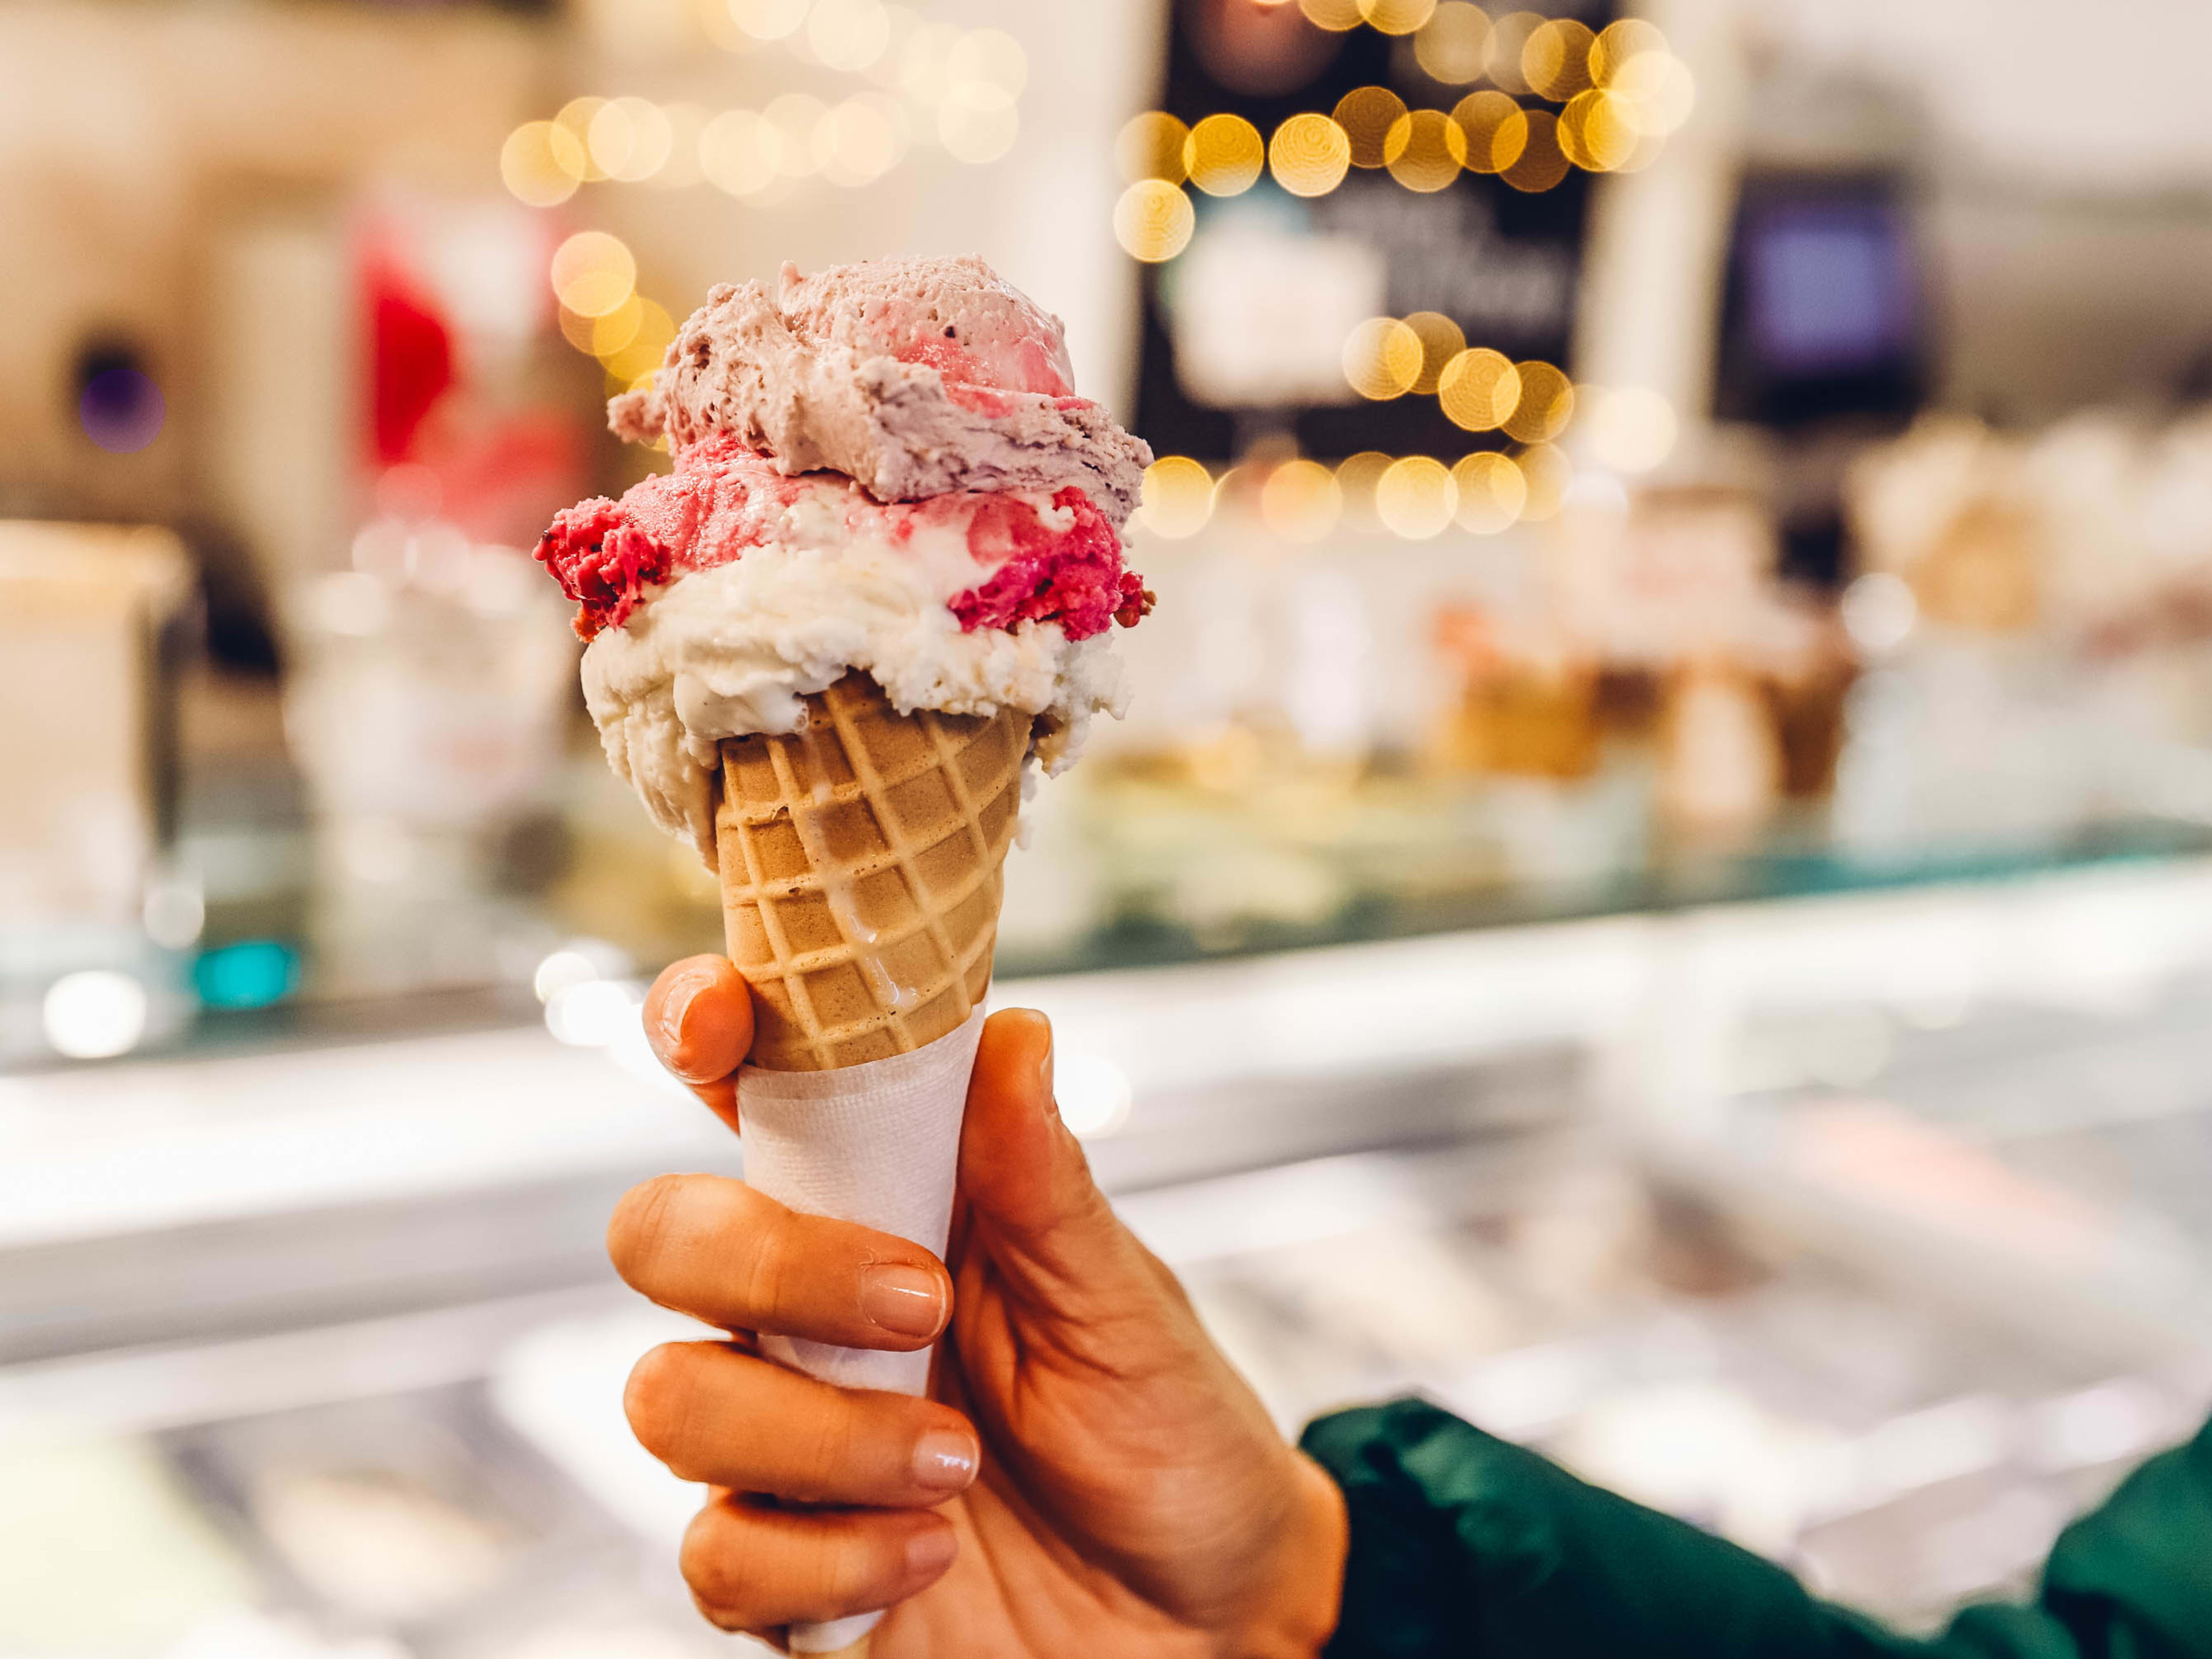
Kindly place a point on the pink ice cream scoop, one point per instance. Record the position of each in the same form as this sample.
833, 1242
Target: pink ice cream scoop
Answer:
1062, 564
916, 377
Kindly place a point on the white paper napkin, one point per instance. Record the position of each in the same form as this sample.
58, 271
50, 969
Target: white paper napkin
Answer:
879, 1144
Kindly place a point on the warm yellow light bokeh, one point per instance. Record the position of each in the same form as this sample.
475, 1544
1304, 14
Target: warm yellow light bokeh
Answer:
1416, 498
1631, 36
989, 58
1508, 39
1451, 45
1441, 339
1492, 492
1556, 61
1301, 501
1425, 151
593, 273
1597, 132
1178, 496
1479, 390
1546, 405
794, 117
860, 140
1547, 472
1367, 115
1224, 156
541, 163
603, 337
1309, 154
1656, 89
848, 34
1357, 476
646, 344
629, 139
1497, 130
739, 152
1541, 163
977, 123
575, 119
1335, 15
1396, 16
1153, 220
1382, 359
768, 19
1150, 146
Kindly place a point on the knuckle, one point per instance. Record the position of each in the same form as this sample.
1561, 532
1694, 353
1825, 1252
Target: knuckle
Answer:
640, 1230
770, 1264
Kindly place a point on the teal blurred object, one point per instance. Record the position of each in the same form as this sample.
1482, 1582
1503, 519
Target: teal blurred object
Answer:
254, 974
1464, 1547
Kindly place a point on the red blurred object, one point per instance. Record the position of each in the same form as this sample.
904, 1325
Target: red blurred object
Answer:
410, 359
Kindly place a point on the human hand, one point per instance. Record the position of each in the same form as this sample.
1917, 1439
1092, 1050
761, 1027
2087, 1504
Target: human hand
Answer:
1089, 1476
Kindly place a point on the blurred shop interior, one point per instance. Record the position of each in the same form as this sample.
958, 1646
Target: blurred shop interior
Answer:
1656, 886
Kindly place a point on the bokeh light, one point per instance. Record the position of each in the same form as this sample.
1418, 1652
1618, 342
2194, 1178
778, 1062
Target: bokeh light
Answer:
848, 34
594, 335
1658, 91
1335, 15
1425, 150
768, 19
1441, 340
860, 140
640, 350
1597, 131
1357, 477
1396, 16
988, 58
1382, 359
1150, 146
1497, 129
1301, 501
1547, 473
1479, 390
1541, 163
1153, 220
1451, 45
1309, 154
1178, 496
254, 973
1632, 428
94, 1015
593, 273
681, 171
977, 123
1546, 405
575, 119
1509, 39
794, 116
1556, 61
1225, 154
1367, 115
121, 410
1631, 36
740, 152
1491, 492
1416, 498
921, 60
629, 139
541, 164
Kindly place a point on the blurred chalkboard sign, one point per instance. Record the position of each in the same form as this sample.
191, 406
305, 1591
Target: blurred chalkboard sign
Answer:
1244, 330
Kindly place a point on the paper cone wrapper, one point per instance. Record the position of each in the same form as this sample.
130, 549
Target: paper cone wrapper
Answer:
877, 1143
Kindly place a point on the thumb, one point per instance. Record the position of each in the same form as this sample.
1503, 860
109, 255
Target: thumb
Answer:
1023, 1173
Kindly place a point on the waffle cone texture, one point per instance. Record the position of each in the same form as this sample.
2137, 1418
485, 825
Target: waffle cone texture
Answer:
862, 861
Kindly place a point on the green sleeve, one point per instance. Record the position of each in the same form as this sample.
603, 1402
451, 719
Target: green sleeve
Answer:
1464, 1547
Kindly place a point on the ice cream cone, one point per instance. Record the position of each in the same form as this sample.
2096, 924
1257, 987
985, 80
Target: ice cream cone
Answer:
861, 866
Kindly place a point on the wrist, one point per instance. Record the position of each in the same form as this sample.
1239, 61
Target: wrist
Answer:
1298, 1599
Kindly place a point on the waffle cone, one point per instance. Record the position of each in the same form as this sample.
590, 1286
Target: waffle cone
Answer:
861, 863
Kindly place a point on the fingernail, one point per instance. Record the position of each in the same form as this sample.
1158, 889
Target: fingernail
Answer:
931, 1551
1044, 1069
904, 1301
681, 996
944, 1461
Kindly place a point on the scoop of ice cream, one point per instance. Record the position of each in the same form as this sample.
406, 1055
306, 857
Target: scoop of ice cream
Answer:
719, 596
916, 377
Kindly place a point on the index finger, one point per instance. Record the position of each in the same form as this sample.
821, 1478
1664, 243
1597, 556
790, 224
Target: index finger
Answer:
699, 1021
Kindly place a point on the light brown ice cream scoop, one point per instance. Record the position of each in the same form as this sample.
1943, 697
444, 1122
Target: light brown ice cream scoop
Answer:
914, 376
